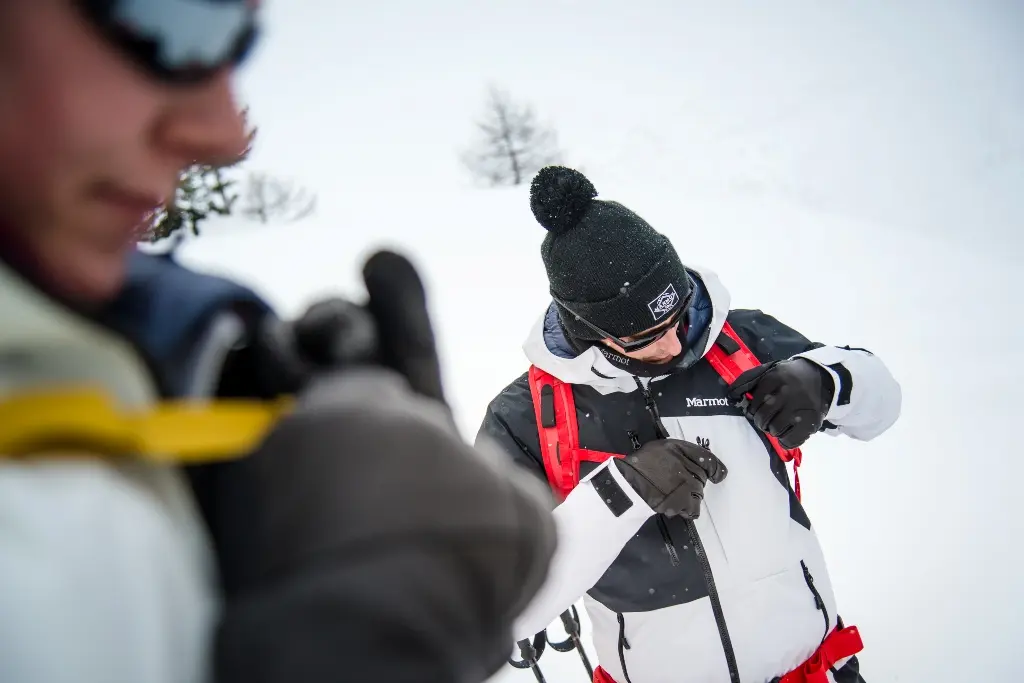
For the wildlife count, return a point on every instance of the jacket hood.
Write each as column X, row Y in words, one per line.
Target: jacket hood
column 548, row 349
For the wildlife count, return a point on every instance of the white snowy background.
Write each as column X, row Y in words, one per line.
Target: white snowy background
column 853, row 167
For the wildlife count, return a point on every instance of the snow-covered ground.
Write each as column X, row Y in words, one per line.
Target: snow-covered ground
column 854, row 168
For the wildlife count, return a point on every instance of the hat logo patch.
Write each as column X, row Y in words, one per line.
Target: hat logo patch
column 664, row 303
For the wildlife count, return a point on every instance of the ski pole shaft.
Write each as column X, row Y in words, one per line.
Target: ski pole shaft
column 583, row 656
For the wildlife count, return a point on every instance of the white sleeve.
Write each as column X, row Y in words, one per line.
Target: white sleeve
column 590, row 537
column 107, row 574
column 867, row 398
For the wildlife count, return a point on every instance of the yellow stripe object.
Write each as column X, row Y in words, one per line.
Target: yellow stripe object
column 88, row 421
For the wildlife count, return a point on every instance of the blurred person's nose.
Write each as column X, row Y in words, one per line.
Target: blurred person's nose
column 205, row 124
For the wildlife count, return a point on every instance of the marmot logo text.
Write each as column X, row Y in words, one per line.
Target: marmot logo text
column 706, row 402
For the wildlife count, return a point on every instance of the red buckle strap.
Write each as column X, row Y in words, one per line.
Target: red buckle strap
column 596, row 456
column 729, row 367
column 559, row 443
column 839, row 645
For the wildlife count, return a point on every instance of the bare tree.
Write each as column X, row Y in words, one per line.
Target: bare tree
column 205, row 191
column 513, row 145
column 268, row 198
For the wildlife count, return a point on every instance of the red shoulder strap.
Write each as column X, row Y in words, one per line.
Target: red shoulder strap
column 733, row 361
column 555, row 410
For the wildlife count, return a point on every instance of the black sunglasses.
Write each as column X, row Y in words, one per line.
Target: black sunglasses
column 177, row 41
column 648, row 339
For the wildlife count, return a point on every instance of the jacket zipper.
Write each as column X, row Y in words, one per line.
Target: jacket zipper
column 716, row 602
column 698, row 546
column 818, row 602
column 673, row 554
column 623, row 645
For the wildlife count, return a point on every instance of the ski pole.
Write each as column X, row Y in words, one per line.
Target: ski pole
column 571, row 622
column 530, row 653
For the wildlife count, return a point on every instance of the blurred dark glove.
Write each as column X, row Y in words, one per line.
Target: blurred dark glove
column 365, row 538
column 377, row 544
column 670, row 475
column 392, row 329
column 787, row 399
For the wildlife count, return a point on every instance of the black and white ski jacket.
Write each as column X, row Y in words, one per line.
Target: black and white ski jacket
column 653, row 620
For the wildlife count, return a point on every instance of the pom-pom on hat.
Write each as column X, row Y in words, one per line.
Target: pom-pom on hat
column 604, row 261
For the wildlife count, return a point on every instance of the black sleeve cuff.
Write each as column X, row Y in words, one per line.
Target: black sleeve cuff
column 617, row 500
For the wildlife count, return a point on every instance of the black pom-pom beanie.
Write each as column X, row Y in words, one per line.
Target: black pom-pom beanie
column 603, row 261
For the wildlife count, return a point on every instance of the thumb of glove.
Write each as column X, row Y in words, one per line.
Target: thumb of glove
column 746, row 382
column 398, row 303
column 717, row 471
column 714, row 468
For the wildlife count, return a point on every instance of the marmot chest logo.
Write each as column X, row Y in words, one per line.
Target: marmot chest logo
column 706, row 402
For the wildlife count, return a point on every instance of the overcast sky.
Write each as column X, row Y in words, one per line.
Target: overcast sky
column 840, row 103
column 855, row 167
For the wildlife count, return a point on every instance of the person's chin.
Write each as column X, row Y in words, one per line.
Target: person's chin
column 88, row 278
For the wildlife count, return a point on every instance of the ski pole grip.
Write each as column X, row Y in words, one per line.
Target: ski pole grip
column 526, row 650
column 570, row 621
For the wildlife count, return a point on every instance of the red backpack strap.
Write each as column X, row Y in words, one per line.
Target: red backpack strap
column 730, row 358
column 555, row 410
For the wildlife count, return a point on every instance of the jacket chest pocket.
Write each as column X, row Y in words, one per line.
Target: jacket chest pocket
column 749, row 511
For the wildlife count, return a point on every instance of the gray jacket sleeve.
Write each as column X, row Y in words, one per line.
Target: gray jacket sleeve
column 366, row 541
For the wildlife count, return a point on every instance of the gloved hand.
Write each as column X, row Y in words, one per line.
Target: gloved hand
column 392, row 329
column 365, row 538
column 670, row 475
column 788, row 399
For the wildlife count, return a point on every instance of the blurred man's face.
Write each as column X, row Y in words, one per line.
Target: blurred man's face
column 90, row 145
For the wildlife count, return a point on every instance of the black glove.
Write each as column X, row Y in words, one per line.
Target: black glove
column 670, row 474
column 788, row 399
column 392, row 329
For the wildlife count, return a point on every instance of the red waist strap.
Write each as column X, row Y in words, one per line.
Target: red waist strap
column 838, row 646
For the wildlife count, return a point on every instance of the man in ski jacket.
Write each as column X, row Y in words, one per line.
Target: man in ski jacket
column 191, row 489
column 666, row 453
